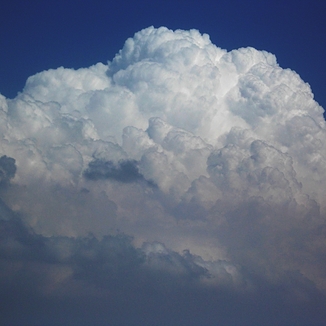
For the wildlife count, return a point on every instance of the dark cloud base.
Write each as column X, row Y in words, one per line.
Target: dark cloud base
column 87, row 281
column 124, row 171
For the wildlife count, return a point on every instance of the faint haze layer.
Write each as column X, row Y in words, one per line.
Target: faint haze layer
column 180, row 184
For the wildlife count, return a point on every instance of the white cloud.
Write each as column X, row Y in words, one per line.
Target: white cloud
column 183, row 145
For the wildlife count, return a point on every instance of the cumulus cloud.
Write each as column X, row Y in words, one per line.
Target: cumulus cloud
column 177, row 170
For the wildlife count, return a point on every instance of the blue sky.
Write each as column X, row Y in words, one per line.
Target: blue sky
column 39, row 35
column 170, row 179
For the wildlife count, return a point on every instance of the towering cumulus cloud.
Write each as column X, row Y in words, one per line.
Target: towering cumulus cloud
column 179, row 184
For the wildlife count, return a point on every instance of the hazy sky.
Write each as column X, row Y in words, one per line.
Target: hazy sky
column 162, row 164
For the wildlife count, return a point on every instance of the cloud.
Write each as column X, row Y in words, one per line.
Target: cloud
column 89, row 279
column 7, row 169
column 178, row 179
column 124, row 171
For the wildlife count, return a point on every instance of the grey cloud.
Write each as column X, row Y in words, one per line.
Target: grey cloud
column 123, row 171
column 7, row 169
column 91, row 280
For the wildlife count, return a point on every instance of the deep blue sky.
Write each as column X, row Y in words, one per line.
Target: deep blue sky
column 38, row 35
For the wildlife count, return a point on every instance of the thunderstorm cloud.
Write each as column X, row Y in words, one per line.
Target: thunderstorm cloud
column 178, row 184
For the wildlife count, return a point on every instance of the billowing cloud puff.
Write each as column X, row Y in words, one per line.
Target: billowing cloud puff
column 213, row 162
